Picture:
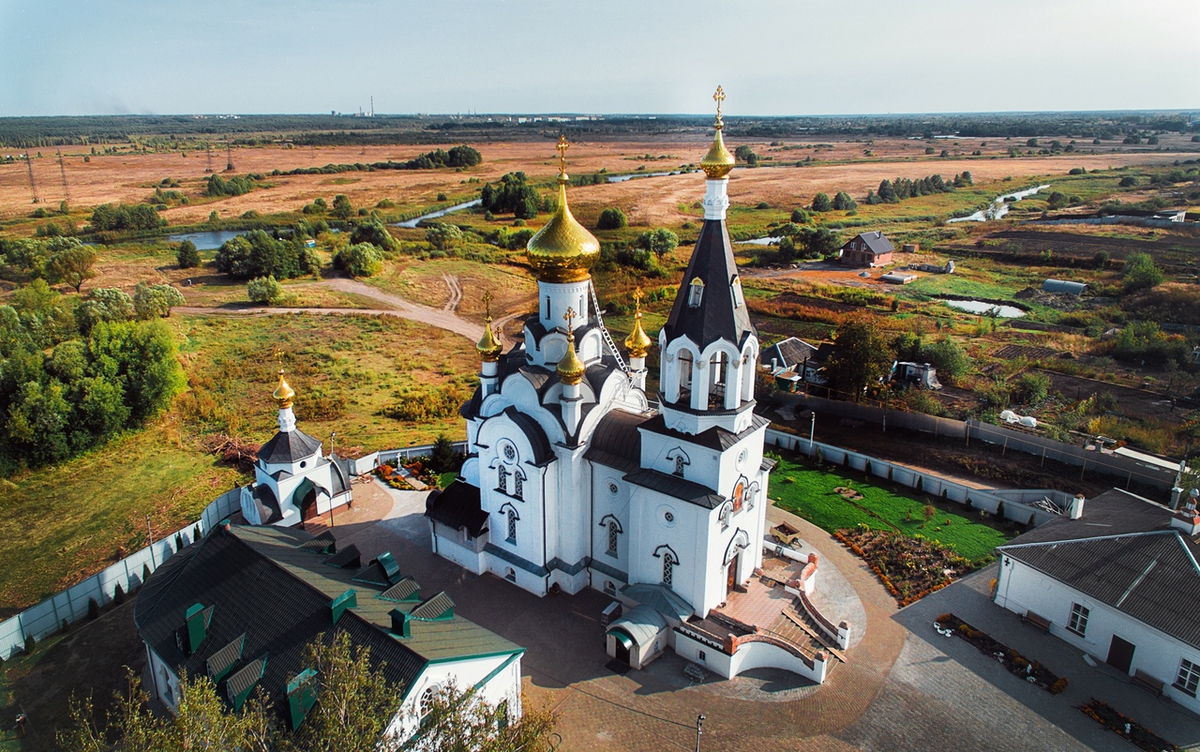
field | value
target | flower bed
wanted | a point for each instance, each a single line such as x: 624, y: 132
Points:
x: 1017, y: 664
x: 910, y: 568
x: 1125, y: 727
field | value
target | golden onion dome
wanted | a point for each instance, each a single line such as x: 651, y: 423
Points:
x: 571, y: 368
x: 489, y: 346
x: 638, y: 342
x: 563, y: 250
x: 283, y: 394
x: 718, y: 162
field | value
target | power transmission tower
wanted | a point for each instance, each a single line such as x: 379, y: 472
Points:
x: 228, y: 157
x: 32, y: 185
x: 62, y: 168
x: 208, y: 147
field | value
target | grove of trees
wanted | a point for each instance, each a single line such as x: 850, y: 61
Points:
x: 257, y: 254
x: 611, y: 218
x: 862, y: 356
x: 513, y: 194
x: 125, y: 217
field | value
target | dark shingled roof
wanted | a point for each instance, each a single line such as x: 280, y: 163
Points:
x: 716, y: 317
x: 341, y: 476
x: 876, y: 242
x: 458, y: 506
x: 267, y: 504
x: 289, y: 446
x: 616, y: 442
x: 787, y: 354
x: 534, y: 433
x: 673, y: 485
x: 712, y: 438
x: 1124, y: 553
x: 261, y: 582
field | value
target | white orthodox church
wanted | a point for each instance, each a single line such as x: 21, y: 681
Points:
x: 293, y: 480
x: 575, y: 478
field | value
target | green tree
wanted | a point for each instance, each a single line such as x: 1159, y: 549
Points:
x: 359, y: 260
x: 342, y: 209
x: 38, y: 421
x: 950, y: 360
x: 463, y: 722
x: 611, y: 218
x: 1141, y: 272
x: 155, y: 301
x: 659, y: 242
x: 444, y: 236
x: 843, y: 202
x: 861, y: 356
x: 444, y: 457
x: 820, y: 241
x: 187, y: 256
x: 103, y: 304
x: 800, y: 216
x: 72, y: 264
x: 1056, y: 200
x: 265, y: 290
x: 821, y: 203
x: 373, y: 231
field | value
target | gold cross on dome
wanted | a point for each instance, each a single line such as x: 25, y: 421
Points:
x: 279, y: 358
x: 487, y: 303
x: 719, y: 97
x: 569, y: 316
x: 637, y: 298
x: 561, y: 148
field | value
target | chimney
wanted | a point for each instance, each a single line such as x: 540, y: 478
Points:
x: 1075, y: 509
x: 400, y: 623
x: 342, y: 603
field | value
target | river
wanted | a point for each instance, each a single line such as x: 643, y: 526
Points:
x: 439, y: 213
x: 999, y: 206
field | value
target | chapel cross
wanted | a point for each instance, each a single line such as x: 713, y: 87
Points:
x: 487, y: 304
x: 637, y: 298
x: 561, y: 148
x: 570, y: 316
x: 719, y: 97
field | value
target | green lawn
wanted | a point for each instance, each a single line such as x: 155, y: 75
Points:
x: 810, y: 493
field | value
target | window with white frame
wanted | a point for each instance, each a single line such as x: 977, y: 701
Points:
x: 695, y: 292
x: 512, y: 526
x: 1189, y: 676
x: 668, y: 565
x: 502, y: 479
x: 518, y: 485
x: 1079, y: 619
x: 679, y: 462
x: 427, y: 699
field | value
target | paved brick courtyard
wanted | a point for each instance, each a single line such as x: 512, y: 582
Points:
x: 903, y: 688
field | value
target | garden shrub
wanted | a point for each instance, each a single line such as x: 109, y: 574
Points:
x: 265, y: 290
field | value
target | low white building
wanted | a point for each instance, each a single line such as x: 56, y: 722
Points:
x: 293, y: 480
x: 241, y: 606
x: 1121, y: 582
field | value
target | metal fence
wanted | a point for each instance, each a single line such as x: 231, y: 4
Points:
x: 72, y: 604
x: 1088, y: 461
x: 1015, y: 506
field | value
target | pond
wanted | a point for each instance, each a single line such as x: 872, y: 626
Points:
x: 999, y: 206
x: 206, y: 241
x: 439, y: 213
x: 982, y: 307
x: 760, y: 241
x: 623, y: 178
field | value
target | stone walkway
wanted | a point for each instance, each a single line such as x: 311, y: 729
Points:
x: 903, y: 687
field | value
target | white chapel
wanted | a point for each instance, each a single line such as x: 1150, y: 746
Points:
x: 575, y: 477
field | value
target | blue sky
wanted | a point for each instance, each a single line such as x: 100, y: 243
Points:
x: 774, y: 57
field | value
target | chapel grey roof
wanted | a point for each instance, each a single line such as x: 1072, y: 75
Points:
x: 266, y: 503
x: 458, y: 506
x: 341, y: 476
x: 642, y: 623
x: 289, y: 446
x: 712, y: 438
x: 616, y: 442
x: 1124, y: 553
x: 262, y: 582
x: 661, y: 598
x: 717, y: 317
x: 876, y: 242
x: 679, y: 488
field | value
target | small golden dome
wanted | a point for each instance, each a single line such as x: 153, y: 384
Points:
x: 571, y: 368
x: 563, y: 250
x: 638, y: 342
x: 718, y: 162
x: 489, y: 346
x: 283, y: 393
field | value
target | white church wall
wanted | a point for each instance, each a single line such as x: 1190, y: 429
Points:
x: 610, y: 496
x: 505, y: 686
x: 1021, y: 588
x: 449, y: 545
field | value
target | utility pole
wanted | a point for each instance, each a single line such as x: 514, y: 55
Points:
x: 208, y: 148
x: 32, y: 185
x: 150, y: 535
x: 228, y: 157
x: 372, y: 106
x: 63, y: 170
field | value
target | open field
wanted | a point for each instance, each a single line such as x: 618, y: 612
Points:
x: 130, y: 178
x: 809, y: 492
x: 61, y: 524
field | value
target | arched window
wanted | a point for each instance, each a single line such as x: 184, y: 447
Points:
x: 679, y: 462
x: 695, y: 292
x: 502, y: 479
x: 724, y: 514
x: 669, y: 560
x: 512, y: 526
x: 685, y: 372
x: 739, y: 495
x: 518, y: 485
x: 613, y: 531
x: 426, y: 703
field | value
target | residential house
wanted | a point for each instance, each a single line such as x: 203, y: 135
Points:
x: 868, y: 249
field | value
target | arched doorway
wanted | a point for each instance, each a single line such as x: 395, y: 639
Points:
x: 306, y: 492
x: 623, y: 646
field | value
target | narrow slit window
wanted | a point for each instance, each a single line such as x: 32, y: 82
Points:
x: 695, y: 292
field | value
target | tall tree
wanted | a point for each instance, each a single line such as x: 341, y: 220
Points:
x: 72, y: 265
x: 860, y: 358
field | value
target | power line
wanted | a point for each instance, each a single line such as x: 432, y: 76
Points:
x: 63, y: 170
x: 32, y: 185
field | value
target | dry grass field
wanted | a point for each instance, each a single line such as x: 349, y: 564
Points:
x: 130, y: 177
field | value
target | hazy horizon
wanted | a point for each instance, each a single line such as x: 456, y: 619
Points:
x: 774, y: 57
